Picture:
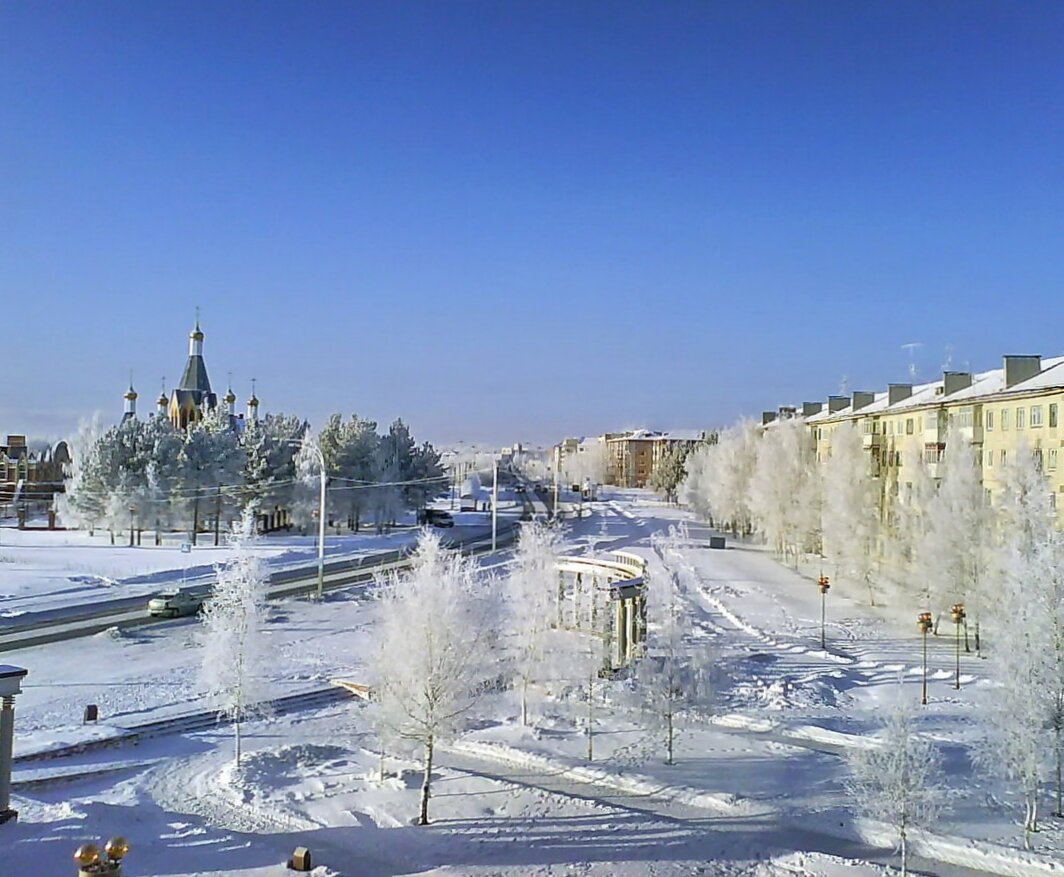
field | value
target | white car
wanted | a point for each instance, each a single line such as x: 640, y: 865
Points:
x: 173, y: 604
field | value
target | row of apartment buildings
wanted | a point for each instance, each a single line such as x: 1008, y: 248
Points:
x: 1000, y: 411
x: 622, y: 459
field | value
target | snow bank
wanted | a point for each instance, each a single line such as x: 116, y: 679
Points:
x: 634, y: 784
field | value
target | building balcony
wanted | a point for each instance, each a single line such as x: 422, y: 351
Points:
x: 872, y: 440
x: 972, y: 434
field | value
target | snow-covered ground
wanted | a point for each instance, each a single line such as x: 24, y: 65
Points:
x: 756, y: 790
x: 42, y: 569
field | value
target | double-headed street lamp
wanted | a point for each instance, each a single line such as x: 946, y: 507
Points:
x: 823, y: 584
x: 924, y: 623
x: 956, y: 612
x: 91, y: 864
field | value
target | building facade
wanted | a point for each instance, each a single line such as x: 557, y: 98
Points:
x: 1004, y: 411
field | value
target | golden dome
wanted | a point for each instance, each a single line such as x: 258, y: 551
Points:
x: 86, y: 854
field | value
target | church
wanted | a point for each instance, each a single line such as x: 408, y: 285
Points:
x: 193, y: 398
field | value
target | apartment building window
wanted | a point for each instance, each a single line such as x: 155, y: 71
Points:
x: 1036, y: 416
x: 1051, y: 462
x: 909, y: 426
x: 1004, y: 453
x: 979, y: 458
x: 1053, y: 416
x: 1053, y: 501
x: 989, y: 459
x: 989, y: 421
x: 1004, y: 419
x: 1019, y: 418
x: 1038, y: 459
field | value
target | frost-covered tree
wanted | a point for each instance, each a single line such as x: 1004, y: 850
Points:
x: 905, y: 524
x: 532, y: 596
x: 350, y: 451
x: 1049, y: 569
x: 717, y: 485
x: 1020, y: 709
x: 435, y: 649
x: 849, y: 512
x: 957, y: 546
x: 87, y: 486
x: 785, y: 489
x: 210, y: 460
x: 668, y: 678
x: 898, y: 781
x: 270, y: 446
x: 232, y: 635
x: 586, y: 465
x: 671, y: 471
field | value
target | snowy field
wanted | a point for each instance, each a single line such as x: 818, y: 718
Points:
x: 757, y: 788
x: 41, y: 569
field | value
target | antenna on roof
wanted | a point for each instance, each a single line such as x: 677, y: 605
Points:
x: 949, y: 358
x: 912, y: 347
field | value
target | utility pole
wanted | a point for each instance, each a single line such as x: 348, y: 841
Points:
x: 495, y: 504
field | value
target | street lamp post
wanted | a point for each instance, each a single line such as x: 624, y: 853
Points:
x: 495, y: 505
x: 824, y: 584
x: 132, y: 520
x: 956, y: 612
x: 321, y: 516
x: 924, y: 623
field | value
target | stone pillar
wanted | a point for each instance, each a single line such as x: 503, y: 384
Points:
x: 633, y: 628
x: 10, y: 685
x: 561, y: 597
x: 620, y: 626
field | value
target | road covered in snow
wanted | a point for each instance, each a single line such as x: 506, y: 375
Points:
x: 757, y: 787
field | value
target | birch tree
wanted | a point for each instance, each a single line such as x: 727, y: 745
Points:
x: 532, y: 586
x: 784, y: 489
x: 1020, y: 710
x: 899, y: 780
x: 956, y: 549
x: 668, y: 679
x: 849, y: 517
x: 434, y: 651
x: 232, y: 634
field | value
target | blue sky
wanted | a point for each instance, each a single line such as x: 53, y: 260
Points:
x: 523, y: 220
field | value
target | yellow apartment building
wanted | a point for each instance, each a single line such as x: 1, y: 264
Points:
x: 998, y: 411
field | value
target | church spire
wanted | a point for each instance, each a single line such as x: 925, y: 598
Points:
x: 230, y: 398
x: 253, y: 405
x: 131, y: 400
x: 161, y: 402
x: 195, y: 338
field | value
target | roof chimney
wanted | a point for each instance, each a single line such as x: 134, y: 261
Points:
x: 1021, y: 368
x: 897, y: 392
x: 861, y: 399
x: 811, y: 408
x: 767, y: 417
x: 787, y: 411
x: 837, y: 403
x: 954, y: 381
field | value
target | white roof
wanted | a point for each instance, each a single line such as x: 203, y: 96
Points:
x: 984, y: 385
